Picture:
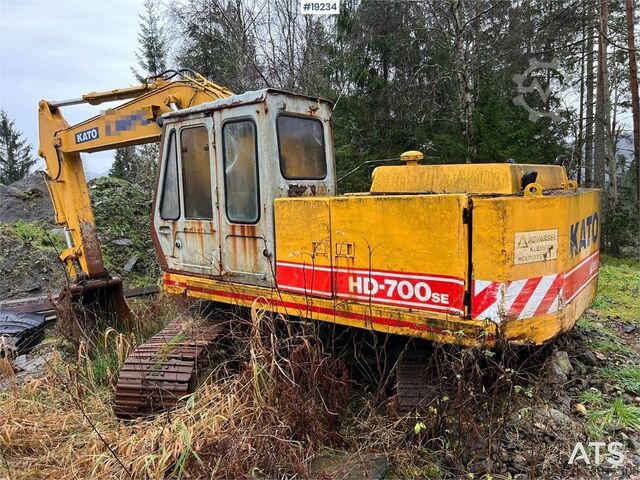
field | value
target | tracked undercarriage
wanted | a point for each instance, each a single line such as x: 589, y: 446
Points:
x: 165, y: 369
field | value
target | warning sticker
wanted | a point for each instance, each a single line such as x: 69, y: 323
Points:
x: 536, y: 246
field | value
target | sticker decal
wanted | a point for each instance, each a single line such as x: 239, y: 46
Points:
x: 87, y: 135
x: 536, y: 246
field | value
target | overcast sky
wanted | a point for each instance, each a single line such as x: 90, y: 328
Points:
x: 62, y: 49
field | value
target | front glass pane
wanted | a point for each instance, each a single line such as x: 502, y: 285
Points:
x: 301, y: 143
x: 169, y: 205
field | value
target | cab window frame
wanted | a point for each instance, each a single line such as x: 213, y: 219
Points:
x: 244, y: 118
x: 171, y: 136
x: 324, y: 147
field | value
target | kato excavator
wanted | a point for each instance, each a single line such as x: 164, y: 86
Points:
x: 246, y: 210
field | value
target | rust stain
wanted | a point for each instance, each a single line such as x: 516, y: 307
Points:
x: 242, y: 247
x: 307, y: 191
x: 91, y: 249
x: 297, y: 190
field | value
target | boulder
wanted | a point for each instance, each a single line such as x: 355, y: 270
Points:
x: 559, y: 367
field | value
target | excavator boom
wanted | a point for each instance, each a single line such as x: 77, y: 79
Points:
x: 93, y: 293
x: 135, y: 122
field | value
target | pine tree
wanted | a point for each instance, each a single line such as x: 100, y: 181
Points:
x: 124, y: 164
x: 138, y: 164
x: 152, y: 54
x: 146, y: 164
x: 15, y: 152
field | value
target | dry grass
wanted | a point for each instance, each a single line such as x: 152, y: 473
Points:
x: 262, y: 413
x: 273, y: 401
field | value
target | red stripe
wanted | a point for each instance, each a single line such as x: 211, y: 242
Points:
x: 580, y: 276
x: 311, y: 280
x: 523, y: 297
x: 550, y: 296
x: 377, y: 270
x: 424, y: 291
x: 314, y: 308
x: 485, y: 299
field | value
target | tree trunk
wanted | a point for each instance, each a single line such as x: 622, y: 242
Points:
x: 464, y: 76
x: 635, y: 101
x: 588, y: 136
x: 612, y: 191
x: 604, y: 130
x: 599, y: 124
x: 580, y: 136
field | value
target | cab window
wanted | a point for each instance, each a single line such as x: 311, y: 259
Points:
x: 241, y: 171
x: 301, y: 145
x: 169, y: 205
x: 196, y: 173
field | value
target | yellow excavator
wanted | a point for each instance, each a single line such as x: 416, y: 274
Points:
x: 246, y: 210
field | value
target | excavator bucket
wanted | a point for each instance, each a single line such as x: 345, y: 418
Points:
x: 82, y: 307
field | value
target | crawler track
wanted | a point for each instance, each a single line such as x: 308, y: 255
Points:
x: 163, y: 370
x: 414, y: 388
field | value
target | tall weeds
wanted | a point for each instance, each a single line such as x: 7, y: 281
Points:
x: 276, y: 393
x: 263, y: 411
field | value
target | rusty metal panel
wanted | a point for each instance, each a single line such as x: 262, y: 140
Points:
x: 242, y: 253
x: 248, y: 250
x: 196, y: 247
x: 189, y: 245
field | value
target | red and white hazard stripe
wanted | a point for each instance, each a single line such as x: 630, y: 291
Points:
x: 531, y: 297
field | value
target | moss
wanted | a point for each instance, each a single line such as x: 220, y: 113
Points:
x: 123, y: 211
x: 34, y: 235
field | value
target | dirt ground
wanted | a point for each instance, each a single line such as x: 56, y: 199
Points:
x: 26, y: 200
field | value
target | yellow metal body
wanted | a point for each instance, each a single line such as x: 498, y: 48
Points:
x: 494, y: 178
x: 474, y: 260
x: 131, y: 123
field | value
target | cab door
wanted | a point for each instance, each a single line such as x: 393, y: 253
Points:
x: 186, y: 219
x: 246, y: 210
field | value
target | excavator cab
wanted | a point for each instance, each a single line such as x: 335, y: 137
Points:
x: 223, y: 164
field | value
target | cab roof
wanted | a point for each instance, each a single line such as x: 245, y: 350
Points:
x: 247, y: 98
